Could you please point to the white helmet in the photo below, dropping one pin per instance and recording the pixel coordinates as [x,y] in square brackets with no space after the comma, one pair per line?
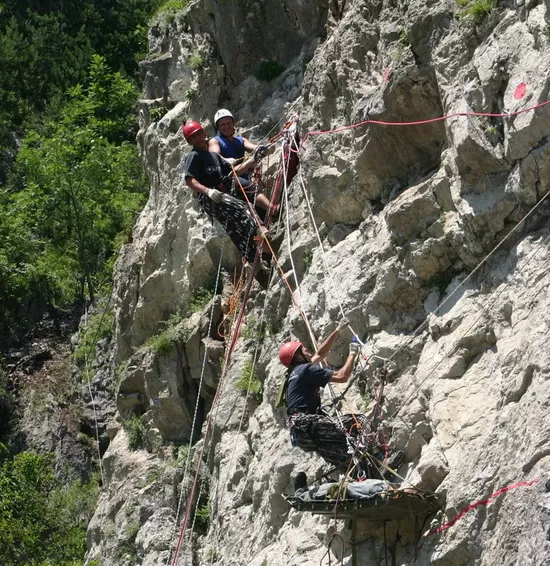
[222,113]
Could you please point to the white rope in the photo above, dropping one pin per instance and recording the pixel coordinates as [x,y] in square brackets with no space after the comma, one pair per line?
[195,413]
[326,265]
[289,246]
[422,326]
[229,467]
[484,307]
[89,383]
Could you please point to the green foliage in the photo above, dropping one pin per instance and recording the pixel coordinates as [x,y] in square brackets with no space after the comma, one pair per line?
[164,342]
[195,62]
[45,48]
[100,326]
[119,373]
[136,429]
[7,404]
[256,330]
[202,517]
[475,11]
[200,298]
[268,70]
[171,7]
[42,521]
[249,381]
[404,37]
[157,113]
[190,93]
[76,188]
[127,547]
[181,453]
[202,509]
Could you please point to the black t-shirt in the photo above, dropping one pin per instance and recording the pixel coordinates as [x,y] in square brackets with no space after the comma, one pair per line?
[207,167]
[304,383]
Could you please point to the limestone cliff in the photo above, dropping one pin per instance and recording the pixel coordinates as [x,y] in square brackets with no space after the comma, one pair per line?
[447,213]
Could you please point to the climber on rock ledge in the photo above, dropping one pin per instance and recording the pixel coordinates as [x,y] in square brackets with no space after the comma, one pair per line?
[311,428]
[233,149]
[209,176]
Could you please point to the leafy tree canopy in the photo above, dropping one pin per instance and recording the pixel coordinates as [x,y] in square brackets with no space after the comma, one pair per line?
[76,189]
[42,522]
[45,48]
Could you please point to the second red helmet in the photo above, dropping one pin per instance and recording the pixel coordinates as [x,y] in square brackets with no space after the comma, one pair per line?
[190,128]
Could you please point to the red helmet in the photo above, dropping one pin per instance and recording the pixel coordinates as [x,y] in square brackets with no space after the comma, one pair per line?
[190,128]
[287,351]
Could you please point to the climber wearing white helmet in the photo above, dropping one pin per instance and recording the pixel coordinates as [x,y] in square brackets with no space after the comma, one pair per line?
[233,149]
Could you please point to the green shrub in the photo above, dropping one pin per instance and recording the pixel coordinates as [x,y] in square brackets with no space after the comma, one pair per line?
[195,62]
[268,70]
[157,113]
[100,326]
[42,521]
[171,7]
[256,330]
[249,381]
[200,298]
[164,342]
[190,93]
[127,548]
[202,510]
[6,405]
[136,430]
[475,11]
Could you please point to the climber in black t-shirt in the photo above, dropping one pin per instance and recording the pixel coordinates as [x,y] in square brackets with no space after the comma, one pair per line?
[209,176]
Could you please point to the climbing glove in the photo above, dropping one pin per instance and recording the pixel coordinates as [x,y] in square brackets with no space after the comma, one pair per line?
[214,195]
[342,324]
[354,348]
[260,152]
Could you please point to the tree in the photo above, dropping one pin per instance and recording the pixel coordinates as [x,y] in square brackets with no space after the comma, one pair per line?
[77,187]
[41,521]
[45,48]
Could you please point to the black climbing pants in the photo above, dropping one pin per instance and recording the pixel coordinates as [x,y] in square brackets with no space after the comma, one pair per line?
[237,220]
[325,435]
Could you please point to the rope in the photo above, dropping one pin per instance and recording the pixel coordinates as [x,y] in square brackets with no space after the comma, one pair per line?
[327,553]
[243,412]
[480,503]
[426,121]
[454,348]
[89,384]
[468,277]
[196,410]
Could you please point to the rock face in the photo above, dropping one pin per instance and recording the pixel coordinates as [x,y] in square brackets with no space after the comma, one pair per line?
[435,243]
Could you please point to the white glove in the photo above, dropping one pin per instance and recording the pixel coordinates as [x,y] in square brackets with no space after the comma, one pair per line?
[214,195]
[342,324]
[354,348]
[230,160]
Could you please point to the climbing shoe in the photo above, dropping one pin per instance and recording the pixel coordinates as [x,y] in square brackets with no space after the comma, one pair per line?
[394,461]
[300,481]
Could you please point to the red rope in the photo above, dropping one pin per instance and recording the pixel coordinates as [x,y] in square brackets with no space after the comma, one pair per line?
[229,353]
[427,121]
[482,502]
